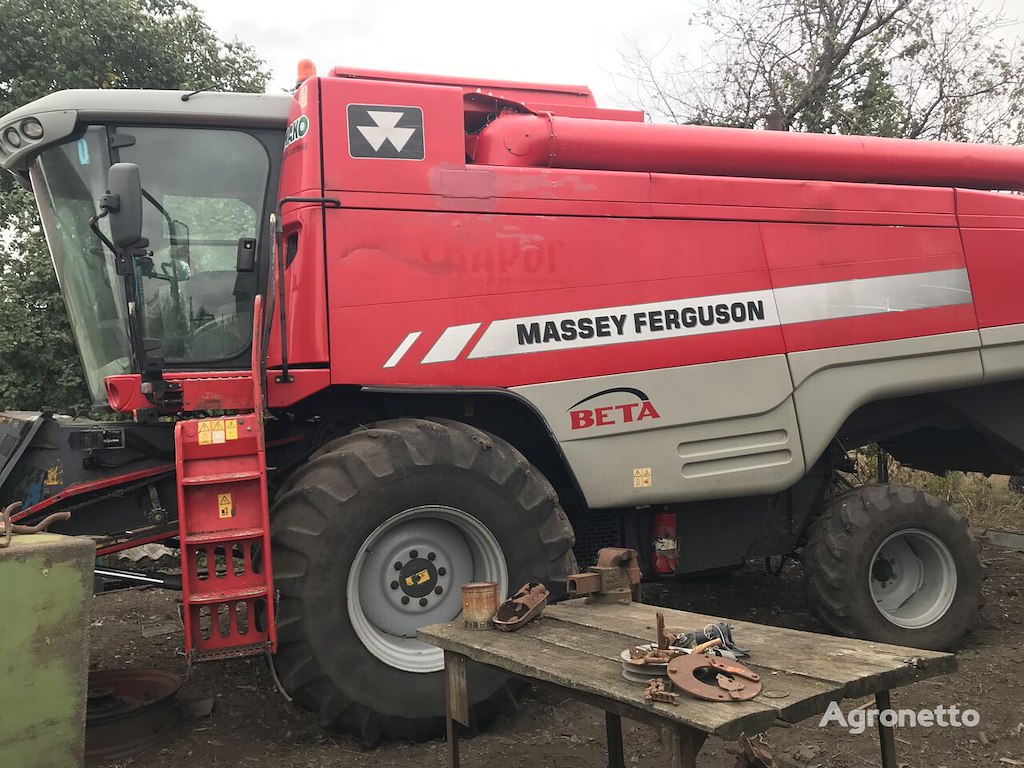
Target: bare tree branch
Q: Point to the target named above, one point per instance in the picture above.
(918, 68)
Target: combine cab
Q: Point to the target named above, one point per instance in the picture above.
(493, 313)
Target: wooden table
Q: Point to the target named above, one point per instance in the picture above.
(575, 649)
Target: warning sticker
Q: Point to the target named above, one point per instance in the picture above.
(642, 477)
(216, 431)
(225, 505)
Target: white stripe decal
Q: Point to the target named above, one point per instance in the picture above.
(872, 295)
(452, 342)
(715, 314)
(402, 348)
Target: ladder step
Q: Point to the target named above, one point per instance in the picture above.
(219, 654)
(216, 537)
(227, 595)
(221, 477)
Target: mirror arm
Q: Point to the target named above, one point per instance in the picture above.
(94, 225)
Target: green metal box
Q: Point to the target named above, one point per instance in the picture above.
(45, 591)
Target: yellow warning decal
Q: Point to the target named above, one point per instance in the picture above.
(217, 431)
(418, 578)
(204, 433)
(52, 476)
(225, 505)
(230, 429)
(642, 477)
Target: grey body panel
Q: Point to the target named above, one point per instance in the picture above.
(832, 383)
(715, 435)
(1002, 352)
(742, 427)
(59, 114)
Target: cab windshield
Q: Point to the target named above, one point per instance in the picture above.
(203, 192)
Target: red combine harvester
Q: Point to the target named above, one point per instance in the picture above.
(495, 314)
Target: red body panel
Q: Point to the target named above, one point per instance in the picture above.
(427, 255)
(993, 239)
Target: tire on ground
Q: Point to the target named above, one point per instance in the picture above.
(324, 514)
(841, 547)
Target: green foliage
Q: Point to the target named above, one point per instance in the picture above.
(51, 45)
(935, 69)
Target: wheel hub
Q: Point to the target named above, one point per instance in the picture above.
(883, 571)
(418, 578)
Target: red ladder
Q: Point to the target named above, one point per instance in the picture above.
(224, 527)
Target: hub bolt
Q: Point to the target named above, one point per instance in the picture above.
(413, 554)
(431, 556)
(394, 585)
(442, 571)
(423, 602)
(405, 599)
(438, 590)
(398, 566)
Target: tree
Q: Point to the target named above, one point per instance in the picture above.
(55, 44)
(931, 69)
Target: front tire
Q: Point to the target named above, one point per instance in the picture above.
(426, 506)
(893, 564)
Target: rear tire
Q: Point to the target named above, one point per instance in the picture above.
(396, 493)
(895, 565)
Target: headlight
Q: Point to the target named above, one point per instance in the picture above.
(12, 137)
(32, 128)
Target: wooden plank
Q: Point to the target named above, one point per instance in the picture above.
(859, 667)
(895, 654)
(532, 658)
(795, 697)
(456, 696)
(681, 746)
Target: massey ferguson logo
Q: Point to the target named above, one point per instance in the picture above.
(631, 405)
(384, 131)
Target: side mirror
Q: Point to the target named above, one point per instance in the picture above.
(178, 233)
(123, 202)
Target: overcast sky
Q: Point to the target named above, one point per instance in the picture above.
(551, 41)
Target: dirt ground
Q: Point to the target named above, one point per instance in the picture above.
(252, 725)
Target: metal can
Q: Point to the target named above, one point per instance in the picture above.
(479, 603)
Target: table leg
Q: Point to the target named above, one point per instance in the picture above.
(886, 736)
(682, 745)
(456, 703)
(613, 728)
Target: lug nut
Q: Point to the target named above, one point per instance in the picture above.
(398, 566)
(442, 571)
(394, 585)
(423, 602)
(431, 556)
(405, 599)
(413, 554)
(438, 590)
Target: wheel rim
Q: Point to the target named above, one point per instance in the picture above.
(409, 573)
(912, 578)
